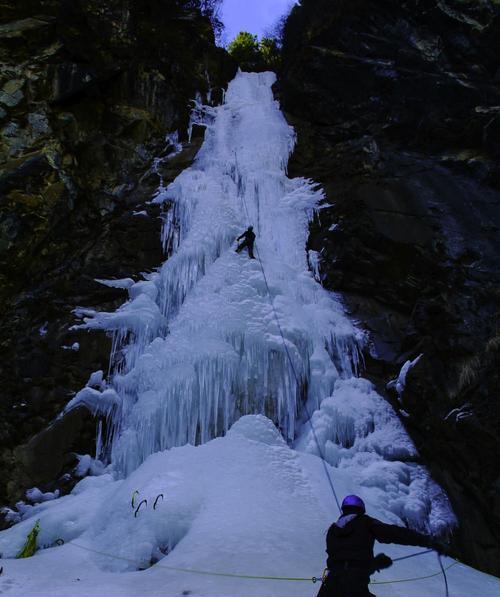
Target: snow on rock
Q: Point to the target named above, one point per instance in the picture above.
(88, 466)
(36, 496)
(399, 384)
(124, 283)
(75, 347)
(96, 380)
(95, 400)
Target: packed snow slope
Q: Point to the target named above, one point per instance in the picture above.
(214, 357)
(244, 504)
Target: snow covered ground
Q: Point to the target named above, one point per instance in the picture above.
(203, 349)
(243, 504)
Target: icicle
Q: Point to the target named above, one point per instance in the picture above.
(209, 337)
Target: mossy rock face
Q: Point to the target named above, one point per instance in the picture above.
(396, 109)
(88, 92)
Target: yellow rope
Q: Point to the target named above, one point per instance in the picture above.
(313, 579)
(202, 572)
(392, 582)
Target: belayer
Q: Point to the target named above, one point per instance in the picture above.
(349, 545)
(249, 239)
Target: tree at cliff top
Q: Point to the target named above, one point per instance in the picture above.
(254, 55)
(270, 52)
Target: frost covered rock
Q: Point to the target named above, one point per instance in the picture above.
(36, 496)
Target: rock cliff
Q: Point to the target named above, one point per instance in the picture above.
(88, 93)
(397, 109)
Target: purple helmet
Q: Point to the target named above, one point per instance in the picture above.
(354, 502)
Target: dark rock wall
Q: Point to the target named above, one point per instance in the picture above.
(88, 91)
(397, 109)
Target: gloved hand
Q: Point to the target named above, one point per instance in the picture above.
(440, 546)
(380, 562)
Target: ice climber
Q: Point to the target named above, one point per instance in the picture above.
(349, 545)
(249, 237)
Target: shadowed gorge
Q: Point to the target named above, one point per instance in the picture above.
(396, 107)
(353, 349)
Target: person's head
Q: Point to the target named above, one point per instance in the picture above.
(250, 228)
(353, 504)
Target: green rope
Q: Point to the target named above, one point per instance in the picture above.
(201, 572)
(392, 582)
(312, 579)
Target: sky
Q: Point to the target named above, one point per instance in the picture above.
(255, 16)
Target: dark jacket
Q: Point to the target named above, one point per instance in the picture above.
(352, 537)
(249, 237)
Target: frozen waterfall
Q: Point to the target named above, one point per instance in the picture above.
(197, 345)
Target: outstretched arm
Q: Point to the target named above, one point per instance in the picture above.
(391, 533)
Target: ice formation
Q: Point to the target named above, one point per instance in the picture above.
(199, 342)
(218, 361)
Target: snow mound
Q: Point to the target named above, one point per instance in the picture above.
(257, 428)
(242, 504)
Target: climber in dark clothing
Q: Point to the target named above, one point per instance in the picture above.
(249, 237)
(349, 545)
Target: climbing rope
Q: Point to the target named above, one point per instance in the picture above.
(393, 582)
(289, 356)
(443, 571)
(413, 555)
(290, 360)
(313, 430)
(200, 572)
(313, 579)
